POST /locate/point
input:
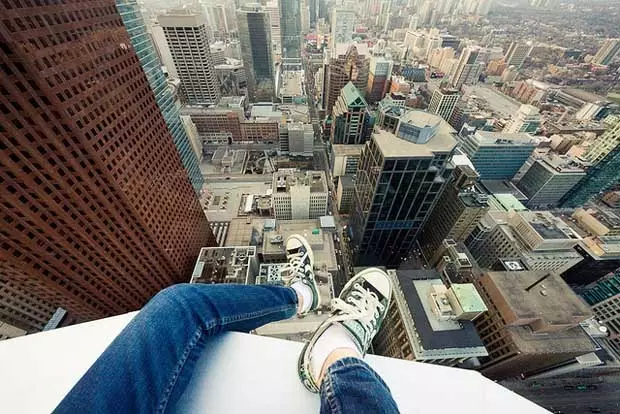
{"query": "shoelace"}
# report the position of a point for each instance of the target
(361, 305)
(294, 268)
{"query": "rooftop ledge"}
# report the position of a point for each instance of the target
(38, 371)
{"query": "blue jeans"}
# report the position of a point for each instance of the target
(147, 367)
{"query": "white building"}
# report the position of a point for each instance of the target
(186, 35)
(299, 139)
(517, 53)
(443, 102)
(468, 68)
(299, 195)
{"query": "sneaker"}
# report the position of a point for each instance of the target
(300, 267)
(360, 309)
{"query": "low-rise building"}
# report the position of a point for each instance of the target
(538, 239)
(299, 195)
(225, 265)
(344, 159)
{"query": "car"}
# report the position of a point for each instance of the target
(591, 387)
(569, 387)
(595, 410)
(228, 178)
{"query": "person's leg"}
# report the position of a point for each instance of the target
(147, 367)
(331, 363)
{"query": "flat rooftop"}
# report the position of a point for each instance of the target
(548, 226)
(265, 111)
(292, 83)
(347, 150)
(563, 164)
(224, 264)
(571, 340)
(551, 300)
(395, 147)
(497, 187)
(505, 202)
(433, 333)
(284, 179)
(487, 138)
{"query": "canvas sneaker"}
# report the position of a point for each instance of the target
(360, 309)
(300, 267)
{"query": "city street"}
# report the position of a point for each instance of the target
(563, 395)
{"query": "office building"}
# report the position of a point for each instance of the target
(344, 159)
(532, 323)
(443, 102)
(99, 211)
(273, 9)
(498, 156)
(604, 144)
(291, 33)
(255, 39)
(163, 51)
(599, 178)
(527, 119)
(299, 195)
(605, 288)
(352, 123)
(457, 213)
(517, 53)
(143, 45)
(342, 22)
(186, 35)
(428, 321)
(468, 69)
(549, 179)
(379, 77)
(399, 179)
(344, 193)
(608, 313)
(599, 248)
(612, 199)
(526, 240)
(349, 63)
(299, 139)
(607, 52)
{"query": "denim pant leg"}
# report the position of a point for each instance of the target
(351, 386)
(149, 364)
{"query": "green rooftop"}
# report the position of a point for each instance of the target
(352, 95)
(468, 297)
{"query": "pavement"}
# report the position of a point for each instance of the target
(562, 395)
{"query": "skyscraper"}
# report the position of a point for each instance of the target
(549, 179)
(186, 34)
(604, 144)
(608, 51)
(599, 178)
(496, 155)
(342, 23)
(255, 39)
(468, 69)
(443, 102)
(98, 211)
(399, 179)
(517, 53)
(379, 77)
(459, 210)
(290, 29)
(352, 122)
(143, 45)
(348, 63)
